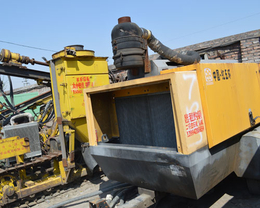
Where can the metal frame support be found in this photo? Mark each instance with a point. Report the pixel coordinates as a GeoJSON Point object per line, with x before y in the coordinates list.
{"type": "Point", "coordinates": [59, 115]}
{"type": "Point", "coordinates": [22, 72]}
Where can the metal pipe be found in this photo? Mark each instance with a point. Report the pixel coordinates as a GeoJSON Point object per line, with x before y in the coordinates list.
{"type": "Point", "coordinates": [191, 57]}
{"type": "Point", "coordinates": [32, 61]}
{"type": "Point", "coordinates": [8, 56]}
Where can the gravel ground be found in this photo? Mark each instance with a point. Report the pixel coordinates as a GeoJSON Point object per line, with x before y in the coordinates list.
{"type": "Point", "coordinates": [230, 193]}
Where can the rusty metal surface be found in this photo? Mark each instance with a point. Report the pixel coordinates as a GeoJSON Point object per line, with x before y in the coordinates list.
{"type": "Point", "coordinates": [40, 63]}
{"type": "Point", "coordinates": [45, 185]}
{"type": "Point", "coordinates": [37, 161]}
{"type": "Point", "coordinates": [124, 19]}
{"type": "Point", "coordinates": [59, 120]}
{"type": "Point", "coordinates": [72, 156]}
{"type": "Point", "coordinates": [147, 64]}
{"type": "Point", "coordinates": [98, 203]}
{"type": "Point", "coordinates": [64, 162]}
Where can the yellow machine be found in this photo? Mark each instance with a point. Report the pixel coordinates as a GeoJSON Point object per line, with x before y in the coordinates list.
{"type": "Point", "coordinates": [177, 126]}
{"type": "Point", "coordinates": [182, 131]}
{"type": "Point", "coordinates": [166, 130]}
{"type": "Point", "coordinates": [33, 160]}
{"type": "Point", "coordinates": [73, 70]}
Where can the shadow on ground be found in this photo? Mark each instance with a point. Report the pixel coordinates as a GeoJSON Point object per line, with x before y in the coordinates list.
{"type": "Point", "coordinates": [230, 193]}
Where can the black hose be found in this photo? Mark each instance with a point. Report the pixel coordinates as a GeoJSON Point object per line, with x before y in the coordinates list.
{"type": "Point", "coordinates": [45, 110]}
{"type": "Point", "coordinates": [108, 200]}
{"type": "Point", "coordinates": [50, 117]}
{"type": "Point", "coordinates": [191, 57]}
{"type": "Point", "coordinates": [11, 90]}
{"type": "Point", "coordinates": [118, 185]}
{"type": "Point", "coordinates": [7, 101]}
{"type": "Point", "coordinates": [112, 76]}
{"type": "Point", "coordinates": [119, 196]}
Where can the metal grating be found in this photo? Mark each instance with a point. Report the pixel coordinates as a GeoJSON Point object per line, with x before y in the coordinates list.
{"type": "Point", "coordinates": [146, 120]}
{"type": "Point", "coordinates": [29, 130]}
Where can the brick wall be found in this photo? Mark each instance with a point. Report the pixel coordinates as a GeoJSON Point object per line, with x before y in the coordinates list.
{"type": "Point", "coordinates": [250, 50]}
{"type": "Point", "coordinates": [244, 47]}
{"type": "Point", "coordinates": [232, 51]}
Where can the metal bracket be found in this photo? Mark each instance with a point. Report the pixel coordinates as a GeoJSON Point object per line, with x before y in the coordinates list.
{"type": "Point", "coordinates": [99, 203]}
{"type": "Point", "coordinates": [63, 84]}
{"type": "Point", "coordinates": [251, 117]}
{"type": "Point", "coordinates": [105, 138]}
{"type": "Point", "coordinates": [71, 52]}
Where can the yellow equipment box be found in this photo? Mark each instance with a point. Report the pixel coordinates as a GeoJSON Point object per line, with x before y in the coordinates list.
{"type": "Point", "coordinates": [77, 70]}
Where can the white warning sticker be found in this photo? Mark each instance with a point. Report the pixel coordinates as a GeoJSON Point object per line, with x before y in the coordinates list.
{"type": "Point", "coordinates": [208, 76]}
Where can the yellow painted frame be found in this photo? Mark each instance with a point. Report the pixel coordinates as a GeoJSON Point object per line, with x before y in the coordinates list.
{"type": "Point", "coordinates": [134, 87]}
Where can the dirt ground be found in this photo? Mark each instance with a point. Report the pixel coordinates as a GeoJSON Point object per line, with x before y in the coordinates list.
{"type": "Point", "coordinates": [230, 193]}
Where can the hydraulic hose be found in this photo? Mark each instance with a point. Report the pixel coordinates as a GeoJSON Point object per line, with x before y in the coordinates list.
{"type": "Point", "coordinates": [191, 57]}
{"type": "Point", "coordinates": [45, 110]}
{"type": "Point", "coordinates": [119, 196]}
{"type": "Point", "coordinates": [118, 185]}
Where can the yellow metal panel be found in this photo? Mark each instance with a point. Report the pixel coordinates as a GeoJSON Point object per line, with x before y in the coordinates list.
{"type": "Point", "coordinates": [228, 91]}
{"type": "Point", "coordinates": [40, 186]}
{"type": "Point", "coordinates": [75, 73]}
{"type": "Point", "coordinates": [189, 113]}
{"type": "Point", "coordinates": [76, 85]}
{"type": "Point", "coordinates": [97, 65]}
{"type": "Point", "coordinates": [85, 53]}
{"type": "Point", "coordinates": [163, 87]}
{"type": "Point", "coordinates": [90, 120]}
{"type": "Point", "coordinates": [192, 67]}
{"type": "Point", "coordinates": [71, 87]}
{"type": "Point", "coordinates": [62, 172]}
{"type": "Point", "coordinates": [13, 146]}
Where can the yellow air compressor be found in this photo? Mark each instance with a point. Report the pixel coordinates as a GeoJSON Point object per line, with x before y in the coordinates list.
{"type": "Point", "coordinates": [181, 131]}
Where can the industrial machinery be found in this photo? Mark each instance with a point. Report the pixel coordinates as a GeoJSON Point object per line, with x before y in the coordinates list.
{"type": "Point", "coordinates": [179, 125]}
{"type": "Point", "coordinates": [181, 131]}
{"type": "Point", "coordinates": [51, 150]}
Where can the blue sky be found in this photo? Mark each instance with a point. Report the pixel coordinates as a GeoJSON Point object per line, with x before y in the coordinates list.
{"type": "Point", "coordinates": [54, 24]}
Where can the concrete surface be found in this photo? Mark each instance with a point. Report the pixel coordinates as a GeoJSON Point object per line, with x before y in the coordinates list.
{"type": "Point", "coordinates": [230, 193]}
